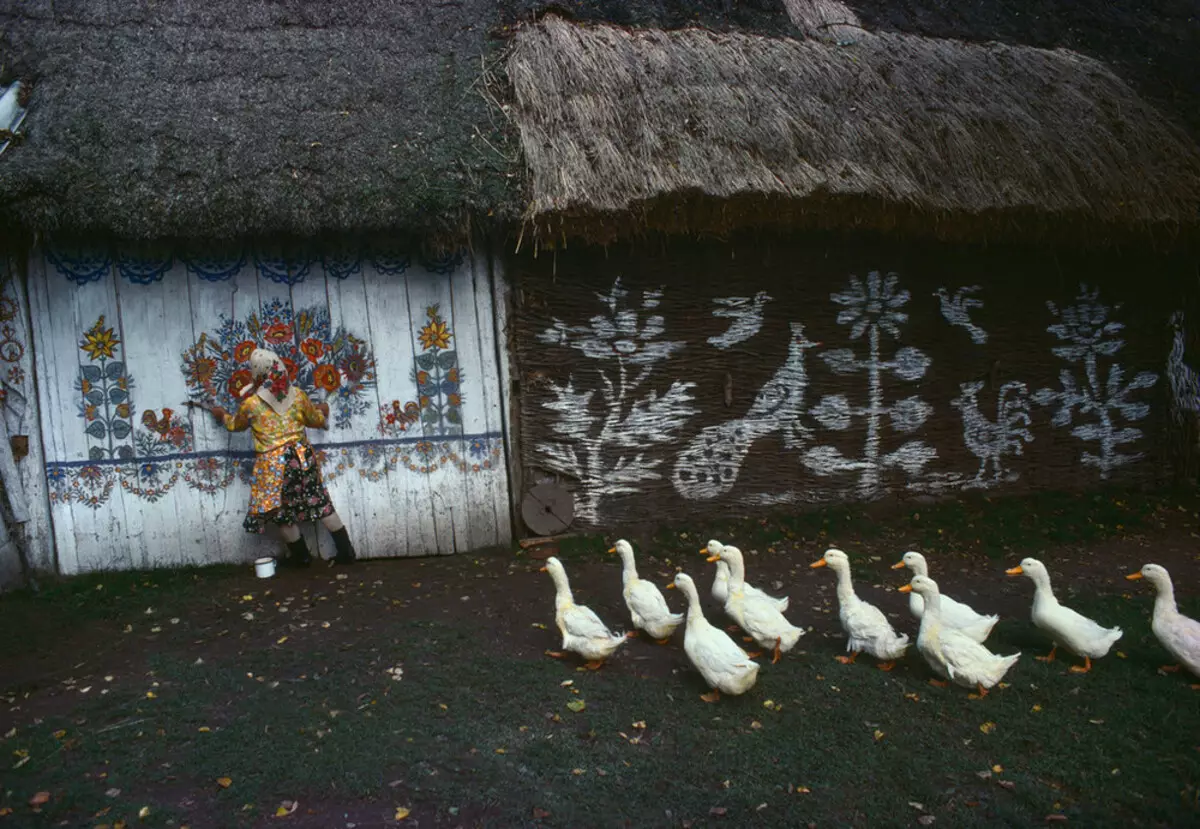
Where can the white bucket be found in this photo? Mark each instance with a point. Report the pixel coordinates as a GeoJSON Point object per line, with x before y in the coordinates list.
{"type": "Point", "coordinates": [264, 568]}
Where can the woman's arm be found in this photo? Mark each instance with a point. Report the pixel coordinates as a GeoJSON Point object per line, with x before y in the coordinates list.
{"type": "Point", "coordinates": [315, 416]}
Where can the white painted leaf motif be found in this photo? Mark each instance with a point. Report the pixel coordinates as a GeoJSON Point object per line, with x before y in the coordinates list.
{"type": "Point", "coordinates": [910, 414]}
{"type": "Point", "coordinates": [827, 460]}
{"type": "Point", "coordinates": [910, 363]}
{"type": "Point", "coordinates": [653, 419]}
{"type": "Point", "coordinates": [841, 361]}
{"type": "Point", "coordinates": [911, 457]}
{"type": "Point", "coordinates": [833, 412]}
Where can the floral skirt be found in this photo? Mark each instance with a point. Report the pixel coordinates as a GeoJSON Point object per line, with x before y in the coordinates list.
{"type": "Point", "coordinates": [287, 488]}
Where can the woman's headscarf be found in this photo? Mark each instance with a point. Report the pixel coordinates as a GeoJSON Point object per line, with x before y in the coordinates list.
{"type": "Point", "coordinates": [274, 384]}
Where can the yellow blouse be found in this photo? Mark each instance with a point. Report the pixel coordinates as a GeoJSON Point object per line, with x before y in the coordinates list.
{"type": "Point", "coordinates": [271, 430]}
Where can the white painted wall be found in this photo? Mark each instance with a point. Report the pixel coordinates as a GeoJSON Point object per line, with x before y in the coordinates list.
{"type": "Point", "coordinates": [148, 499]}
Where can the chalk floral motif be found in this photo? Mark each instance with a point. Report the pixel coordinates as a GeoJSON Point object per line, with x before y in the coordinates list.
{"type": "Point", "coordinates": [592, 424]}
{"type": "Point", "coordinates": [1090, 336]}
{"type": "Point", "coordinates": [873, 307]}
{"type": "Point", "coordinates": [956, 310]}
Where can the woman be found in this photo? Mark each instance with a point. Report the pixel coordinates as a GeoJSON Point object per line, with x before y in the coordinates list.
{"type": "Point", "coordinates": [286, 488]}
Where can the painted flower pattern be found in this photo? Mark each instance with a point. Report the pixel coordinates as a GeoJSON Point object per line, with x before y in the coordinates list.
{"type": "Point", "coordinates": [99, 343]}
{"type": "Point", "coordinates": [873, 302]}
{"type": "Point", "coordinates": [438, 378]}
{"type": "Point", "coordinates": [318, 355]}
{"type": "Point", "coordinates": [435, 333]}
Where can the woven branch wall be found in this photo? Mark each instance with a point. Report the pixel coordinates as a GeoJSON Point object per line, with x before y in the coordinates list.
{"type": "Point", "coordinates": [698, 379]}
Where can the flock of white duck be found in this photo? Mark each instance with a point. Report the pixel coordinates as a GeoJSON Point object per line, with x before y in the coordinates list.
{"type": "Point", "coordinates": [950, 637]}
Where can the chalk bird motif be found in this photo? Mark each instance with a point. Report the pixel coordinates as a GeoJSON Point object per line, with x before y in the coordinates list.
{"type": "Point", "coordinates": [956, 311]}
{"type": "Point", "coordinates": [747, 316]}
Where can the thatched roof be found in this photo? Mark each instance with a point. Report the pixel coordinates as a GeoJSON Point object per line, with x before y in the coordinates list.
{"type": "Point", "coordinates": [697, 131]}
{"type": "Point", "coordinates": [220, 118]}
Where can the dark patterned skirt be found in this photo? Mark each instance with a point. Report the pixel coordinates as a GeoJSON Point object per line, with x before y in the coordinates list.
{"type": "Point", "coordinates": [281, 477]}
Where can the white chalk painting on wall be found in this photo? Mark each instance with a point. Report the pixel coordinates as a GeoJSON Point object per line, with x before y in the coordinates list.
{"type": "Point", "coordinates": [1089, 335]}
{"type": "Point", "coordinates": [708, 466]}
{"type": "Point", "coordinates": [627, 348]}
{"type": "Point", "coordinates": [1185, 382]}
{"type": "Point", "coordinates": [873, 307]}
{"type": "Point", "coordinates": [991, 440]}
{"type": "Point", "coordinates": [956, 310]}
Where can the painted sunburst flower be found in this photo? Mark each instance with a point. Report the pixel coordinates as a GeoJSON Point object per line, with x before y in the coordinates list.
{"type": "Point", "coordinates": [99, 342]}
{"type": "Point", "coordinates": [873, 304]}
{"type": "Point", "coordinates": [435, 334]}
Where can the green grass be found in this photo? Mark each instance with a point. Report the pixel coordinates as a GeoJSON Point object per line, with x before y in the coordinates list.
{"type": "Point", "coordinates": [471, 725]}
{"type": "Point", "coordinates": [1115, 748]}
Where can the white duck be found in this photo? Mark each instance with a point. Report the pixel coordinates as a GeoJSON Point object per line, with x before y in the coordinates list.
{"type": "Point", "coordinates": [1074, 631]}
{"type": "Point", "coordinates": [757, 615]}
{"type": "Point", "coordinates": [950, 653]}
{"type": "Point", "coordinates": [1179, 634]}
{"type": "Point", "coordinates": [582, 630]}
{"type": "Point", "coordinates": [954, 614]}
{"type": "Point", "coordinates": [721, 661]}
{"type": "Point", "coordinates": [868, 629]}
{"type": "Point", "coordinates": [720, 588]}
{"type": "Point", "coordinates": [645, 601]}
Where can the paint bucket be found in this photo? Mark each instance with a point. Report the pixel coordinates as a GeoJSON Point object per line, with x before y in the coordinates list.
{"type": "Point", "coordinates": [264, 568]}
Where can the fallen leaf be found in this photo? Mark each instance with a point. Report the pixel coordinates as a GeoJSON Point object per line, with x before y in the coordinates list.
{"type": "Point", "coordinates": [40, 799]}
{"type": "Point", "coordinates": [204, 729]}
{"type": "Point", "coordinates": [576, 772]}
{"type": "Point", "coordinates": [224, 782]}
{"type": "Point", "coordinates": [640, 724]}
{"type": "Point", "coordinates": [502, 750]}
{"type": "Point", "coordinates": [1096, 722]}
{"type": "Point", "coordinates": [151, 695]}
{"type": "Point", "coordinates": [1008, 784]}
{"type": "Point", "coordinates": [539, 813]}
{"type": "Point", "coordinates": [566, 683]}
{"type": "Point", "coordinates": [143, 813]}
{"type": "Point", "coordinates": [878, 735]}
{"type": "Point", "coordinates": [402, 813]}
{"type": "Point", "coordinates": [997, 768]}
{"type": "Point", "coordinates": [113, 793]}
{"type": "Point", "coordinates": [58, 735]}
{"type": "Point", "coordinates": [988, 727]}
{"type": "Point", "coordinates": [755, 725]}
{"type": "Point", "coordinates": [281, 640]}
{"type": "Point", "coordinates": [1036, 708]}
{"type": "Point", "coordinates": [718, 811]}
{"type": "Point", "coordinates": [926, 820]}
{"type": "Point", "coordinates": [1056, 818]}
{"type": "Point", "coordinates": [577, 705]}
{"type": "Point", "coordinates": [4, 810]}
{"type": "Point", "coordinates": [803, 790]}
{"type": "Point", "coordinates": [287, 807]}
{"type": "Point", "coordinates": [912, 697]}
{"type": "Point", "coordinates": [920, 807]}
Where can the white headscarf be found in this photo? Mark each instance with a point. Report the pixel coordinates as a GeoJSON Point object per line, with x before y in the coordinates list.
{"type": "Point", "coordinates": [262, 361]}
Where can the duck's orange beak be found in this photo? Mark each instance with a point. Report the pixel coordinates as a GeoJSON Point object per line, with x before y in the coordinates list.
{"type": "Point", "coordinates": [819, 563]}
{"type": "Point", "coordinates": [1134, 576]}
{"type": "Point", "coordinates": [713, 558]}
{"type": "Point", "coordinates": [704, 549]}
{"type": "Point", "coordinates": [542, 569]}
{"type": "Point", "coordinates": [1015, 571]}
{"type": "Point", "coordinates": [907, 588]}
{"type": "Point", "coordinates": [898, 565]}
{"type": "Point", "coordinates": [671, 585]}
{"type": "Point", "coordinates": [612, 549]}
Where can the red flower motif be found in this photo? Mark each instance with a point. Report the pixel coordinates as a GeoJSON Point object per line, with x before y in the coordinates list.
{"type": "Point", "coordinates": [178, 437]}
{"type": "Point", "coordinates": [292, 370]}
{"type": "Point", "coordinates": [203, 370]}
{"type": "Point", "coordinates": [312, 349]}
{"type": "Point", "coordinates": [243, 351]}
{"type": "Point", "coordinates": [422, 377]}
{"type": "Point", "coordinates": [238, 382]}
{"type": "Point", "coordinates": [279, 333]}
{"type": "Point", "coordinates": [452, 375]}
{"type": "Point", "coordinates": [326, 377]}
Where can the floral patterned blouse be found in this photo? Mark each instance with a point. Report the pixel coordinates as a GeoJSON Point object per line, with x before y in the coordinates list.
{"type": "Point", "coordinates": [271, 430]}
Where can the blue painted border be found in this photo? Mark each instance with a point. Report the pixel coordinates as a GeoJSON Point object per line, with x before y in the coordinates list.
{"type": "Point", "coordinates": [247, 455]}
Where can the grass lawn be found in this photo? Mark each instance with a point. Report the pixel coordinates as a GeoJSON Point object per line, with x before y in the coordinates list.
{"type": "Point", "coordinates": [210, 698]}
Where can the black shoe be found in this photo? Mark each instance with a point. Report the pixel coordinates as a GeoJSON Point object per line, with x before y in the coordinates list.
{"type": "Point", "coordinates": [300, 556]}
{"type": "Point", "coordinates": [345, 550]}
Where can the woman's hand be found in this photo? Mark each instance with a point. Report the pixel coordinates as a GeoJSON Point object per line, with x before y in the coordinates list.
{"type": "Point", "coordinates": [218, 413]}
{"type": "Point", "coordinates": [323, 408]}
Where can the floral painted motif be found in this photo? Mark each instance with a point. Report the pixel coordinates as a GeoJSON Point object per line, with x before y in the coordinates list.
{"type": "Point", "coordinates": [439, 385]}
{"type": "Point", "coordinates": [468, 455]}
{"type": "Point", "coordinates": [104, 388]}
{"type": "Point", "coordinates": [317, 355]}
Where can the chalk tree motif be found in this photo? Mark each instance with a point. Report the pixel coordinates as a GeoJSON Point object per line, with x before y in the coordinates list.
{"type": "Point", "coordinates": [873, 307]}
{"type": "Point", "coordinates": [747, 315]}
{"type": "Point", "coordinates": [1090, 335]}
{"type": "Point", "coordinates": [991, 441]}
{"type": "Point", "coordinates": [1185, 382]}
{"type": "Point", "coordinates": [956, 310]}
{"type": "Point", "coordinates": [709, 465]}
{"type": "Point", "coordinates": [591, 425]}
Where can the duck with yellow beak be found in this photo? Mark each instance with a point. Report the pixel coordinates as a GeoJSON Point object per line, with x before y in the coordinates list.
{"type": "Point", "coordinates": [1178, 634]}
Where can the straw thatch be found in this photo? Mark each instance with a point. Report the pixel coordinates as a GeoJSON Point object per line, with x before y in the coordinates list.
{"type": "Point", "coordinates": [220, 118]}
{"type": "Point", "coordinates": [698, 131]}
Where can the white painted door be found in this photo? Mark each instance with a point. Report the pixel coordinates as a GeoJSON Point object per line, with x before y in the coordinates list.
{"type": "Point", "coordinates": [402, 349]}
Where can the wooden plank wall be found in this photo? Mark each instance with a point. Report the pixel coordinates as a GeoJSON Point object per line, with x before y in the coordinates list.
{"type": "Point", "coordinates": [136, 480]}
